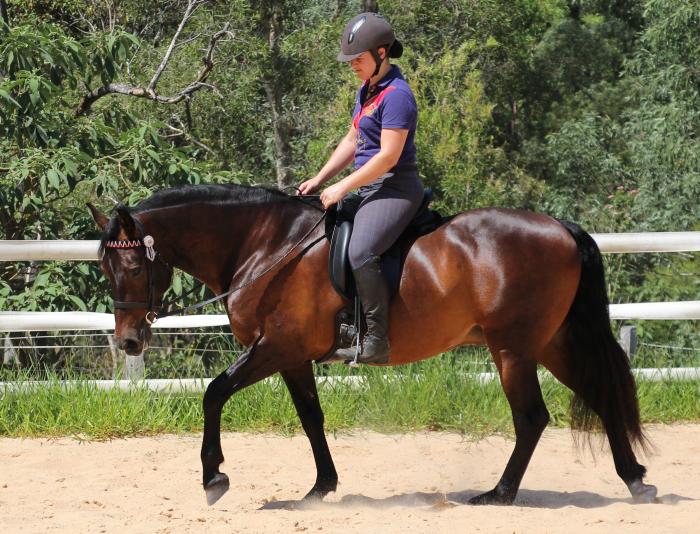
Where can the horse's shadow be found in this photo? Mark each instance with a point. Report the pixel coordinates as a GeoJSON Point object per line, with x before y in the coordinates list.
{"type": "Point", "coordinates": [526, 499]}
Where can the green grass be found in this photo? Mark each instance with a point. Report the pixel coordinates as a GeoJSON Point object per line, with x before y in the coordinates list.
{"type": "Point", "coordinates": [425, 396]}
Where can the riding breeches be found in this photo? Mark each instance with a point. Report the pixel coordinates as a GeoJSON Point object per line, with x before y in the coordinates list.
{"type": "Point", "coordinates": [387, 207]}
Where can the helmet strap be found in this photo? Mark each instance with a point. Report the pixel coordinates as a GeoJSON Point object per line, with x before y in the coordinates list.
{"type": "Point", "coordinates": [377, 60]}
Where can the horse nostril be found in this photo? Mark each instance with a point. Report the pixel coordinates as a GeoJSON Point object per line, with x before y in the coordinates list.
{"type": "Point", "coordinates": [129, 344]}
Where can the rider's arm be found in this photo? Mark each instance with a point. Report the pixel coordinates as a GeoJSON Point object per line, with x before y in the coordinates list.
{"type": "Point", "coordinates": [392, 143]}
{"type": "Point", "coordinates": [342, 156]}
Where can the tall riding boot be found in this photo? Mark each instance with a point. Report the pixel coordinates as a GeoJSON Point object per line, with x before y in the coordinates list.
{"type": "Point", "coordinates": [373, 291]}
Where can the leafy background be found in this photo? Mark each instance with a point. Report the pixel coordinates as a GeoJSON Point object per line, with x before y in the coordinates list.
{"type": "Point", "coordinates": [584, 109]}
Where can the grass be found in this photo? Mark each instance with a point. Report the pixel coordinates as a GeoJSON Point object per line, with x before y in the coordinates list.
{"type": "Point", "coordinates": [427, 396]}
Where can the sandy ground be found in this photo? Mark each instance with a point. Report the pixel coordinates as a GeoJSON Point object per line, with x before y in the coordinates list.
{"type": "Point", "coordinates": [388, 483]}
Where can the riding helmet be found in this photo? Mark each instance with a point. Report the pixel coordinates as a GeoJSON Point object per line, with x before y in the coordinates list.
{"type": "Point", "coordinates": [368, 32]}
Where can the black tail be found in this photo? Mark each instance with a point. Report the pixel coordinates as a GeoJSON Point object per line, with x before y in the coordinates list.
{"type": "Point", "coordinates": [605, 384]}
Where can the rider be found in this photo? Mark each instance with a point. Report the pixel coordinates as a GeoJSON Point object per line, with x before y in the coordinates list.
{"type": "Point", "coordinates": [380, 142]}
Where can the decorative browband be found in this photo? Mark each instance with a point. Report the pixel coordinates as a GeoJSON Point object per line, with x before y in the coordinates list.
{"type": "Point", "coordinates": [124, 244]}
{"type": "Point", "coordinates": [147, 242]}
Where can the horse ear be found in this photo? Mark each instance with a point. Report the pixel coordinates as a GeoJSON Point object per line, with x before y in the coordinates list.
{"type": "Point", "coordinates": [100, 218]}
{"type": "Point", "coordinates": [126, 222]}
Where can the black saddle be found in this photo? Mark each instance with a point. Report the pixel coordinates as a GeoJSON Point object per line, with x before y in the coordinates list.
{"type": "Point", "coordinates": [339, 226]}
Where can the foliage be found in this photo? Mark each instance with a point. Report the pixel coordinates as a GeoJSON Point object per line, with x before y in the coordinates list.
{"type": "Point", "coordinates": [586, 109]}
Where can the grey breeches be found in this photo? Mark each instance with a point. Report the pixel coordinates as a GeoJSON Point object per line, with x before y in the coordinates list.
{"type": "Point", "coordinates": [383, 215]}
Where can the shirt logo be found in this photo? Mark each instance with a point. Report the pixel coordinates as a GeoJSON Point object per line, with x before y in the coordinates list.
{"type": "Point", "coordinates": [371, 105]}
{"type": "Point", "coordinates": [355, 28]}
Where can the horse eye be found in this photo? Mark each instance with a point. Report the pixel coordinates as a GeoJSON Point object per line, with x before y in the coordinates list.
{"type": "Point", "coordinates": [135, 271]}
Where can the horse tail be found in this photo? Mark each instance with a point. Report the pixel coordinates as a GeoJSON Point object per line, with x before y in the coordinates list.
{"type": "Point", "coordinates": [603, 382]}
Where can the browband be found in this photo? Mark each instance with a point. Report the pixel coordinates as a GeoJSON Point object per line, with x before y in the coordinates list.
{"type": "Point", "coordinates": [147, 242]}
{"type": "Point", "coordinates": [124, 244]}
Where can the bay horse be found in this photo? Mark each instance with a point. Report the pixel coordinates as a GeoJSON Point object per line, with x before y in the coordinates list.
{"type": "Point", "coordinates": [529, 287]}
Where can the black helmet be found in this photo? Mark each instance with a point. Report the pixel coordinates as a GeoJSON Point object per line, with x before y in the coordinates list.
{"type": "Point", "coordinates": [367, 32]}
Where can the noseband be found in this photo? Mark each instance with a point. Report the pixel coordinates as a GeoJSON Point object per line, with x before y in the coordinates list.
{"type": "Point", "coordinates": [151, 255]}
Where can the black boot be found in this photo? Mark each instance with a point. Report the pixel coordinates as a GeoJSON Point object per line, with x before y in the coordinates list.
{"type": "Point", "coordinates": [373, 291]}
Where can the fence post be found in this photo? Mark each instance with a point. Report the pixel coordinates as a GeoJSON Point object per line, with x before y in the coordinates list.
{"type": "Point", "coordinates": [134, 367]}
{"type": "Point", "coordinates": [9, 352]}
{"type": "Point", "coordinates": [628, 340]}
{"type": "Point", "coordinates": [115, 355]}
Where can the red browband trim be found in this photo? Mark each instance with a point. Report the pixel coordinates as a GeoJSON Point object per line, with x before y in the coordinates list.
{"type": "Point", "coordinates": [124, 244]}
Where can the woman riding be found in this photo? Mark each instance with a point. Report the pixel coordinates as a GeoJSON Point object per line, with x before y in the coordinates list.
{"type": "Point", "coordinates": [380, 141]}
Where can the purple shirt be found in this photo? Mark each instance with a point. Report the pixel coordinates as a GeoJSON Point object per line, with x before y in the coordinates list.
{"type": "Point", "coordinates": [391, 105]}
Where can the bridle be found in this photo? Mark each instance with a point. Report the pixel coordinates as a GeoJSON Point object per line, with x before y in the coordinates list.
{"type": "Point", "coordinates": [147, 242]}
{"type": "Point", "coordinates": [153, 312]}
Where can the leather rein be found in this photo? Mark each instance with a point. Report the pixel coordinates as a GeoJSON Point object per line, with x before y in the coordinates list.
{"type": "Point", "coordinates": [153, 312]}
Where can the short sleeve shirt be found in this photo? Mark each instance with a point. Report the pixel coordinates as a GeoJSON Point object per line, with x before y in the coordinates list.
{"type": "Point", "coordinates": [391, 105]}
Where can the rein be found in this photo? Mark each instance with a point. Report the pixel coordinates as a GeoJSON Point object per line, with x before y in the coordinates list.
{"type": "Point", "coordinates": [148, 242]}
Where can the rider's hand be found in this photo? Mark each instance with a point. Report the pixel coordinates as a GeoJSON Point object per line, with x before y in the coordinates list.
{"type": "Point", "coordinates": [333, 194]}
{"type": "Point", "coordinates": [309, 186]}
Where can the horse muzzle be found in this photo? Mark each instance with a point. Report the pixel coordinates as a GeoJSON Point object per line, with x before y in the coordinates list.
{"type": "Point", "coordinates": [131, 345]}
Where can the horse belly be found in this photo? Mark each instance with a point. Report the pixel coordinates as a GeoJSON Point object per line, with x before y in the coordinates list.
{"type": "Point", "coordinates": [434, 310]}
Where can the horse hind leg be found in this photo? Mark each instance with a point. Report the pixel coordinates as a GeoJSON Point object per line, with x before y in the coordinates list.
{"type": "Point", "coordinates": [608, 397]}
{"type": "Point", "coordinates": [302, 387]}
{"type": "Point", "coordinates": [530, 417]}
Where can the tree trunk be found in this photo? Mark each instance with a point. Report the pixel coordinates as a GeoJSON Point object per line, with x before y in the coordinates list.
{"type": "Point", "coordinates": [370, 5]}
{"type": "Point", "coordinates": [340, 6]}
{"type": "Point", "coordinates": [272, 20]}
{"type": "Point", "coordinates": [3, 12]}
{"type": "Point", "coordinates": [6, 19]}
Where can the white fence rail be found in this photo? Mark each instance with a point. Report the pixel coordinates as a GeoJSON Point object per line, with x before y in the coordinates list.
{"type": "Point", "coordinates": [62, 321]}
{"type": "Point", "coordinates": [57, 321]}
{"type": "Point", "coordinates": [617, 243]}
{"type": "Point", "coordinates": [197, 385]}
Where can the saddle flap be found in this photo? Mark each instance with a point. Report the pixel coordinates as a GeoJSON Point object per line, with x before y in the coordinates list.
{"type": "Point", "coordinates": [338, 263]}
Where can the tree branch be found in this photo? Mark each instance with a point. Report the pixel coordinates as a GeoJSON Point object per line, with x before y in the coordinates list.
{"type": "Point", "coordinates": [149, 92]}
{"type": "Point", "coordinates": [192, 5]}
{"type": "Point", "coordinates": [177, 132]}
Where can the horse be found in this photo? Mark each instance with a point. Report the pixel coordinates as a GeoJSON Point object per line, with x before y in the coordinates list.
{"type": "Point", "coordinates": [529, 287]}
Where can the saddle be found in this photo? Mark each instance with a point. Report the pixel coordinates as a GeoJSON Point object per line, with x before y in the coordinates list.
{"type": "Point", "coordinates": [339, 227]}
{"type": "Point", "coordinates": [349, 320]}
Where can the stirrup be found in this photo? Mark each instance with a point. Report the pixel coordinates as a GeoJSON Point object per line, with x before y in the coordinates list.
{"type": "Point", "coordinates": [373, 358]}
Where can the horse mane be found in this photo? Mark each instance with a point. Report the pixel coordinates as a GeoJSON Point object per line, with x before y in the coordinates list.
{"type": "Point", "coordinates": [217, 194]}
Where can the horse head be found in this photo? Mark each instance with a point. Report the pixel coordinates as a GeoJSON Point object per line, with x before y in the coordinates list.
{"type": "Point", "coordinates": [137, 275]}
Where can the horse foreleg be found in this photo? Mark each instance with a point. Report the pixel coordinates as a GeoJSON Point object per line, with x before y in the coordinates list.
{"type": "Point", "coordinates": [250, 368]}
{"type": "Point", "coordinates": [302, 387]}
{"type": "Point", "coordinates": [530, 417]}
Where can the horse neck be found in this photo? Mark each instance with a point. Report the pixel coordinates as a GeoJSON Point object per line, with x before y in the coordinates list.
{"type": "Point", "coordinates": [215, 243]}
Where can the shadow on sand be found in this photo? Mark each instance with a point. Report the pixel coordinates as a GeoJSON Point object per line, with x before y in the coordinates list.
{"type": "Point", "coordinates": [526, 499]}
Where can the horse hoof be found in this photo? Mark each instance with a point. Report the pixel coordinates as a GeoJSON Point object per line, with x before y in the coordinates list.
{"type": "Point", "coordinates": [216, 488]}
{"type": "Point", "coordinates": [319, 491]}
{"type": "Point", "coordinates": [493, 498]}
{"type": "Point", "coordinates": [641, 492]}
